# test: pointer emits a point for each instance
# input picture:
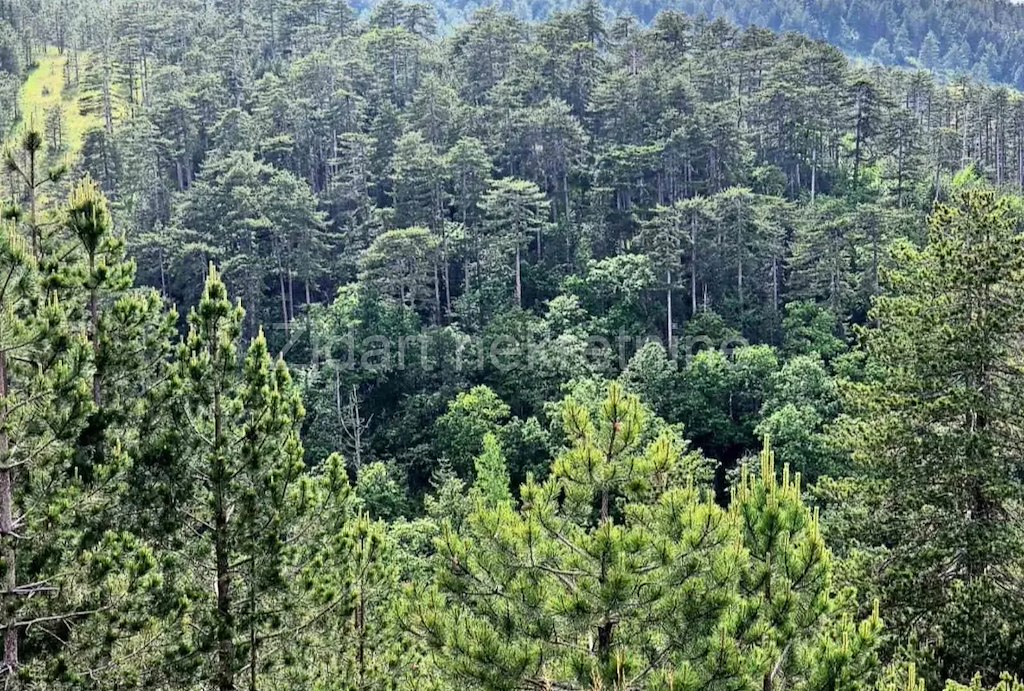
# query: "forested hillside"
(338, 351)
(981, 38)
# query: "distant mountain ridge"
(978, 37)
(983, 38)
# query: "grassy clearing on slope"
(43, 90)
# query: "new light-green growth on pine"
(619, 572)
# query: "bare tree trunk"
(739, 266)
(36, 250)
(284, 299)
(291, 295)
(447, 274)
(253, 640)
(361, 629)
(814, 173)
(437, 294)
(565, 193)
(357, 431)
(163, 275)
(94, 325)
(775, 284)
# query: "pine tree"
(928, 57)
(556, 592)
(70, 578)
(24, 164)
(810, 642)
(617, 573)
(236, 475)
(107, 271)
(376, 651)
(663, 238)
(344, 632)
(418, 182)
(262, 224)
(350, 199)
(514, 212)
(865, 103)
(399, 264)
(932, 435)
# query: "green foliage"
(399, 264)
(1006, 683)
(616, 572)
(802, 401)
(472, 416)
(810, 330)
(457, 226)
(514, 211)
(809, 640)
(254, 220)
(74, 585)
(931, 435)
(381, 493)
(492, 482)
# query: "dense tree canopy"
(540, 347)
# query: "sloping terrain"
(45, 94)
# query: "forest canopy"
(403, 347)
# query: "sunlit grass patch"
(43, 95)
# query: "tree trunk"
(775, 284)
(519, 279)
(36, 250)
(7, 530)
(437, 295)
(361, 632)
(225, 630)
(253, 641)
(814, 172)
(94, 325)
(291, 295)
(693, 266)
(739, 267)
(668, 310)
(284, 300)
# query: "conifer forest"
(547, 345)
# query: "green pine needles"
(618, 573)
